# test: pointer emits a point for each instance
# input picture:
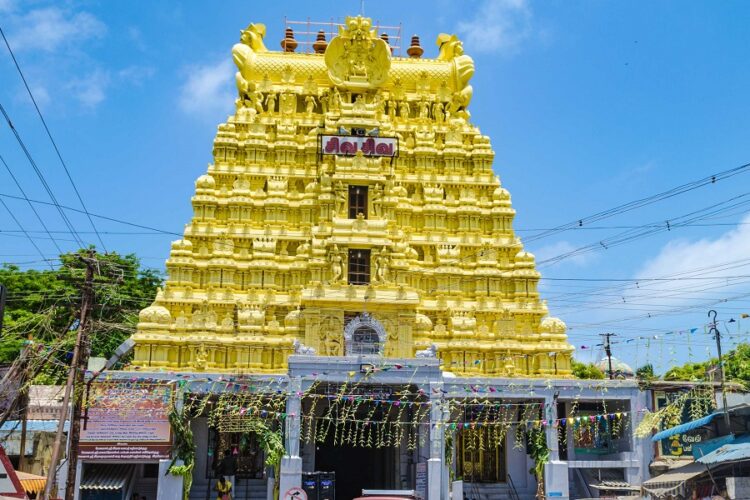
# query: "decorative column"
(555, 471)
(291, 463)
(436, 463)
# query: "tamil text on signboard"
(126, 422)
(349, 145)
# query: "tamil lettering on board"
(125, 421)
(350, 145)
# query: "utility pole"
(717, 335)
(75, 364)
(24, 402)
(3, 295)
(83, 361)
(608, 351)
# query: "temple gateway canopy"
(395, 241)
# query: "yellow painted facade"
(266, 259)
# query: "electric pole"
(608, 351)
(2, 306)
(84, 351)
(717, 335)
(75, 371)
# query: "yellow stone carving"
(264, 264)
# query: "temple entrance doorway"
(357, 468)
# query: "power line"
(31, 206)
(714, 224)
(632, 205)
(650, 229)
(31, 240)
(49, 134)
(39, 174)
(104, 217)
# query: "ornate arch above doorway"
(364, 335)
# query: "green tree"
(586, 370)
(737, 364)
(645, 372)
(694, 372)
(736, 367)
(44, 305)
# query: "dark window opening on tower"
(357, 201)
(359, 267)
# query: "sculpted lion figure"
(251, 43)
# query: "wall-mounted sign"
(680, 444)
(350, 145)
(127, 422)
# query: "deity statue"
(404, 109)
(359, 104)
(391, 109)
(438, 111)
(334, 100)
(288, 103)
(330, 336)
(341, 199)
(377, 200)
(337, 265)
(357, 58)
(271, 102)
(379, 103)
(324, 97)
(381, 266)
(201, 357)
(256, 101)
(424, 109)
(310, 105)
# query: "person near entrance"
(228, 466)
(223, 489)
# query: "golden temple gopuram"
(351, 209)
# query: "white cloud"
(136, 37)
(560, 248)
(90, 90)
(6, 6)
(135, 75)
(498, 26)
(51, 28)
(209, 89)
(691, 258)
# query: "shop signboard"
(126, 422)
(679, 445)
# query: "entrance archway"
(364, 335)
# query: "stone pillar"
(550, 414)
(169, 486)
(291, 463)
(79, 476)
(436, 472)
(555, 471)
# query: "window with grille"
(359, 267)
(357, 201)
(365, 340)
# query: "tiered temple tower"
(351, 209)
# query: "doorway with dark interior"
(356, 468)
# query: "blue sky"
(588, 104)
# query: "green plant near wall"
(539, 452)
(184, 448)
(698, 401)
(272, 443)
(449, 455)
